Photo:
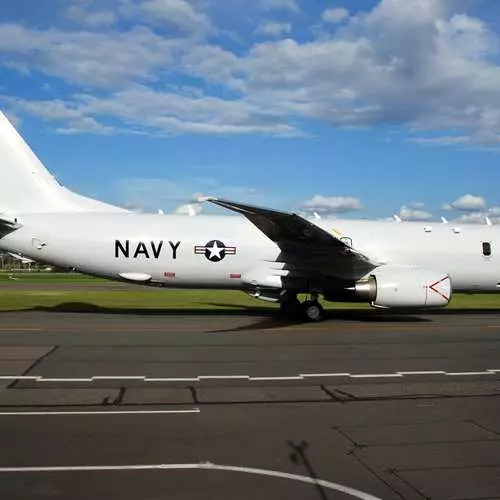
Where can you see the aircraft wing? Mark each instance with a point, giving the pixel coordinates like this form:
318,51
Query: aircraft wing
304,244
7,226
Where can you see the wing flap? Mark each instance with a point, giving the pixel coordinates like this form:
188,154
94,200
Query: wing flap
303,242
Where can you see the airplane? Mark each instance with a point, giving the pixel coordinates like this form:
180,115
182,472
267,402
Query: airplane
270,254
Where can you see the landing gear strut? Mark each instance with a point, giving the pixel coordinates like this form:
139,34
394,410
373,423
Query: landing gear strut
311,309
290,307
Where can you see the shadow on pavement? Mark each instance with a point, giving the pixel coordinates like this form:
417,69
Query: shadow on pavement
270,314
266,317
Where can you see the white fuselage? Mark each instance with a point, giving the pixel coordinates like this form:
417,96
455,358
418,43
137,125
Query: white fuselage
173,250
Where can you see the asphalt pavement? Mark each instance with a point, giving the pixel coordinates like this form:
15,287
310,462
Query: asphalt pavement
229,405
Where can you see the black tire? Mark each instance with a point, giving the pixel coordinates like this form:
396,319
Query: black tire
313,311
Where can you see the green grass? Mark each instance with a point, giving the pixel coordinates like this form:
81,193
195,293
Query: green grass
125,299
40,296
44,277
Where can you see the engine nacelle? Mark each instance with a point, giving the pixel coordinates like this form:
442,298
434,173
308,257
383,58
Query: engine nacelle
391,286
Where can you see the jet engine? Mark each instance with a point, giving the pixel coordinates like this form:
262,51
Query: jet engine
391,286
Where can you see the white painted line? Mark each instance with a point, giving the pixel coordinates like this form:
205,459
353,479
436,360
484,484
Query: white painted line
113,377
18,377
69,413
423,372
200,466
87,380
260,379
302,376
467,374
179,379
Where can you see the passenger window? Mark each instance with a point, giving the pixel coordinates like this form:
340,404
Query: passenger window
486,248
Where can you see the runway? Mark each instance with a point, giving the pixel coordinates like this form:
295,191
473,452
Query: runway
230,405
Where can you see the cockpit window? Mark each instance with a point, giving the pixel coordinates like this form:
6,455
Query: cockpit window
486,248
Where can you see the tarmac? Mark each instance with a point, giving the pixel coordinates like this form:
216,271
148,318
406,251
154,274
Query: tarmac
155,405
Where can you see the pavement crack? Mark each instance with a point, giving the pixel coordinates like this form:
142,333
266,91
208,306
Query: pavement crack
354,454
194,394
334,394
121,395
346,395
484,427
14,383
396,474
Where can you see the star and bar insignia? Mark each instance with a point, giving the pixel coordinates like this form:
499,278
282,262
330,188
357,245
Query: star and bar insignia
214,250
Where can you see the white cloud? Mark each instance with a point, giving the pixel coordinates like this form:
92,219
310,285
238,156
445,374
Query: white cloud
332,204
445,140
471,218
190,209
152,194
414,212
96,19
178,12
435,70
335,15
357,77
290,5
46,110
272,28
157,113
85,125
89,58
174,113
467,203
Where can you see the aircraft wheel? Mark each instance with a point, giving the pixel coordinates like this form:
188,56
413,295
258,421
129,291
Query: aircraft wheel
313,311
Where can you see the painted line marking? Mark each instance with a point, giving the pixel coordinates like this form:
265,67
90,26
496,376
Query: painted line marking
124,377
201,378
261,379
223,377
19,377
172,379
199,466
70,413
468,374
79,380
423,372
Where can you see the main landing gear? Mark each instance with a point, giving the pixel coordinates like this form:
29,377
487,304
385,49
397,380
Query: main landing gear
311,309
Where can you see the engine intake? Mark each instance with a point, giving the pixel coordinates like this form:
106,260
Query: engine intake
391,286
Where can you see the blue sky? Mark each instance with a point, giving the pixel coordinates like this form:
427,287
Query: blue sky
359,108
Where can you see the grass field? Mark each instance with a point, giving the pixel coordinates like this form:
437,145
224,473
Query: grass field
41,277
41,294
